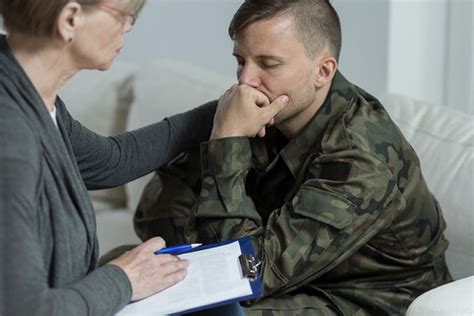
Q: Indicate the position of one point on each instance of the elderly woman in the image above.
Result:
(48, 161)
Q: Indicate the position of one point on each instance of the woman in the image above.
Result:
(48, 161)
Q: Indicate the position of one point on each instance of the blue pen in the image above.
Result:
(176, 249)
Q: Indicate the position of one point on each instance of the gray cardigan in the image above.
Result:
(47, 222)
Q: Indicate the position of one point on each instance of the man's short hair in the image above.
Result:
(317, 22)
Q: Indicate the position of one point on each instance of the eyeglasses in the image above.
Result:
(128, 17)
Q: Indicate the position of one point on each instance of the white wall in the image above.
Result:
(364, 43)
(194, 31)
(459, 83)
(431, 51)
(417, 37)
(471, 98)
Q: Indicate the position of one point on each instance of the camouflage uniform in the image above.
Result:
(342, 219)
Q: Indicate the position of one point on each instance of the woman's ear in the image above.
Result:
(69, 20)
(326, 71)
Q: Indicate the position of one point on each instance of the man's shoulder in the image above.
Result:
(366, 126)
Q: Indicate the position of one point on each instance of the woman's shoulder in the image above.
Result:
(11, 111)
(18, 139)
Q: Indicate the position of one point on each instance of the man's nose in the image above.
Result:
(249, 75)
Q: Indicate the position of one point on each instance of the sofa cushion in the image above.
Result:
(101, 102)
(115, 228)
(164, 88)
(444, 141)
(455, 298)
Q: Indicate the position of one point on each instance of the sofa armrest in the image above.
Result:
(455, 298)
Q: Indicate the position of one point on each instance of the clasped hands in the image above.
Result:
(245, 111)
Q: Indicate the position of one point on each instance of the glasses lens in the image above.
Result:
(125, 16)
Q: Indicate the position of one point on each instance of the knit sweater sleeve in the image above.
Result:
(111, 161)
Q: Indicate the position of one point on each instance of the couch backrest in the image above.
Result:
(101, 101)
(444, 141)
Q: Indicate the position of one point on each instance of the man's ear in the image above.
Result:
(326, 71)
(69, 20)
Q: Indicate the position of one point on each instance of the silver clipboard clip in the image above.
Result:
(249, 266)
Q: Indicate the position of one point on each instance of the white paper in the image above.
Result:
(214, 275)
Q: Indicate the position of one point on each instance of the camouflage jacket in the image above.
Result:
(341, 216)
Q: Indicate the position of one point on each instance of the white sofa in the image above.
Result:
(127, 97)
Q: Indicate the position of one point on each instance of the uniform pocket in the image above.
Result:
(324, 206)
(320, 216)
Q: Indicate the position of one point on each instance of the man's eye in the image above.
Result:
(240, 61)
(270, 65)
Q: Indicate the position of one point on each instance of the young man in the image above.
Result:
(341, 216)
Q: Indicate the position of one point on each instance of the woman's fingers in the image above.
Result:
(154, 244)
(149, 273)
(173, 265)
(173, 278)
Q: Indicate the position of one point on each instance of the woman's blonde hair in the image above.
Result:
(38, 17)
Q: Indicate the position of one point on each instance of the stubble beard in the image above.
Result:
(295, 108)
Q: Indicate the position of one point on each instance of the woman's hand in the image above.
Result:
(149, 273)
(244, 111)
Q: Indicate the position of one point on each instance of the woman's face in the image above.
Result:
(101, 36)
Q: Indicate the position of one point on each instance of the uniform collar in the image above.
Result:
(309, 139)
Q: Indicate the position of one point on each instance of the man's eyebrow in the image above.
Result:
(274, 57)
(262, 57)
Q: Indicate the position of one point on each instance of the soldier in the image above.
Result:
(333, 195)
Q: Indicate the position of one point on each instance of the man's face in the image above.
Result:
(273, 60)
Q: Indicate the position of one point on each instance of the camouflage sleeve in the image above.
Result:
(167, 200)
(326, 221)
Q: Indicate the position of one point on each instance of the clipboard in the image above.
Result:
(243, 263)
(248, 264)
